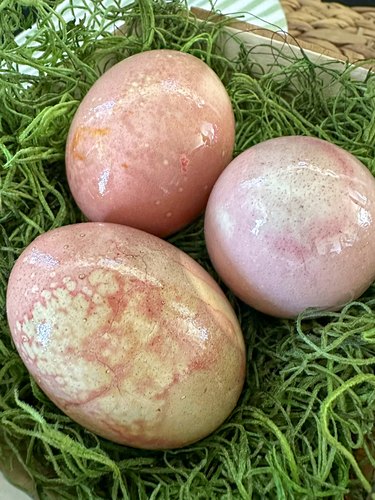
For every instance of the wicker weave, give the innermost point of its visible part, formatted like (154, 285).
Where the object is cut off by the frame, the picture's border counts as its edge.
(345, 31)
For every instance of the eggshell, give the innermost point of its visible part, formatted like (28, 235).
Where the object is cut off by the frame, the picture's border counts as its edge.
(290, 225)
(149, 141)
(126, 334)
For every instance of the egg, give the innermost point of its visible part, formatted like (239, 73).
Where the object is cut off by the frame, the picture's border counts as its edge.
(290, 225)
(126, 334)
(149, 140)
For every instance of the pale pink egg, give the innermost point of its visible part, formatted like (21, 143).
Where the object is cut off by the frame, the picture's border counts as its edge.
(290, 225)
(149, 141)
(126, 334)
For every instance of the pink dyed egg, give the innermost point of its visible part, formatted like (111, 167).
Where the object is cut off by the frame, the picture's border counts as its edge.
(149, 141)
(126, 334)
(290, 225)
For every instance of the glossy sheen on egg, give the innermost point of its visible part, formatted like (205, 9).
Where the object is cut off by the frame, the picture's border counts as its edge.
(126, 334)
(149, 141)
(290, 225)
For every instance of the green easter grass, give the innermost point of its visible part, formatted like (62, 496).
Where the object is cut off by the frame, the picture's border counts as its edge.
(303, 428)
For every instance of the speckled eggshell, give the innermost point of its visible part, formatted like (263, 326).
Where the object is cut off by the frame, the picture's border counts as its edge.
(290, 225)
(149, 140)
(126, 334)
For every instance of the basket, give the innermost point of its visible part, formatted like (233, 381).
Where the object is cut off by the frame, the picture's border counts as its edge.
(346, 32)
(326, 32)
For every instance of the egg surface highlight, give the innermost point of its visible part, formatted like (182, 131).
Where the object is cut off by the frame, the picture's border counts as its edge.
(149, 140)
(290, 225)
(126, 334)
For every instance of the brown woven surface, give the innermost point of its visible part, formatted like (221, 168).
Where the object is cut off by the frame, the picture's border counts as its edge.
(344, 31)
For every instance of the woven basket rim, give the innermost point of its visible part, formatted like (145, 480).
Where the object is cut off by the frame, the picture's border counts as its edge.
(279, 36)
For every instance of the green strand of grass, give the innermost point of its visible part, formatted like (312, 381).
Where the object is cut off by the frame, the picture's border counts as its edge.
(359, 379)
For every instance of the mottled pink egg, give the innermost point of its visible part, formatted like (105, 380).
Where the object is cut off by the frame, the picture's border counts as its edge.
(126, 334)
(149, 141)
(290, 225)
